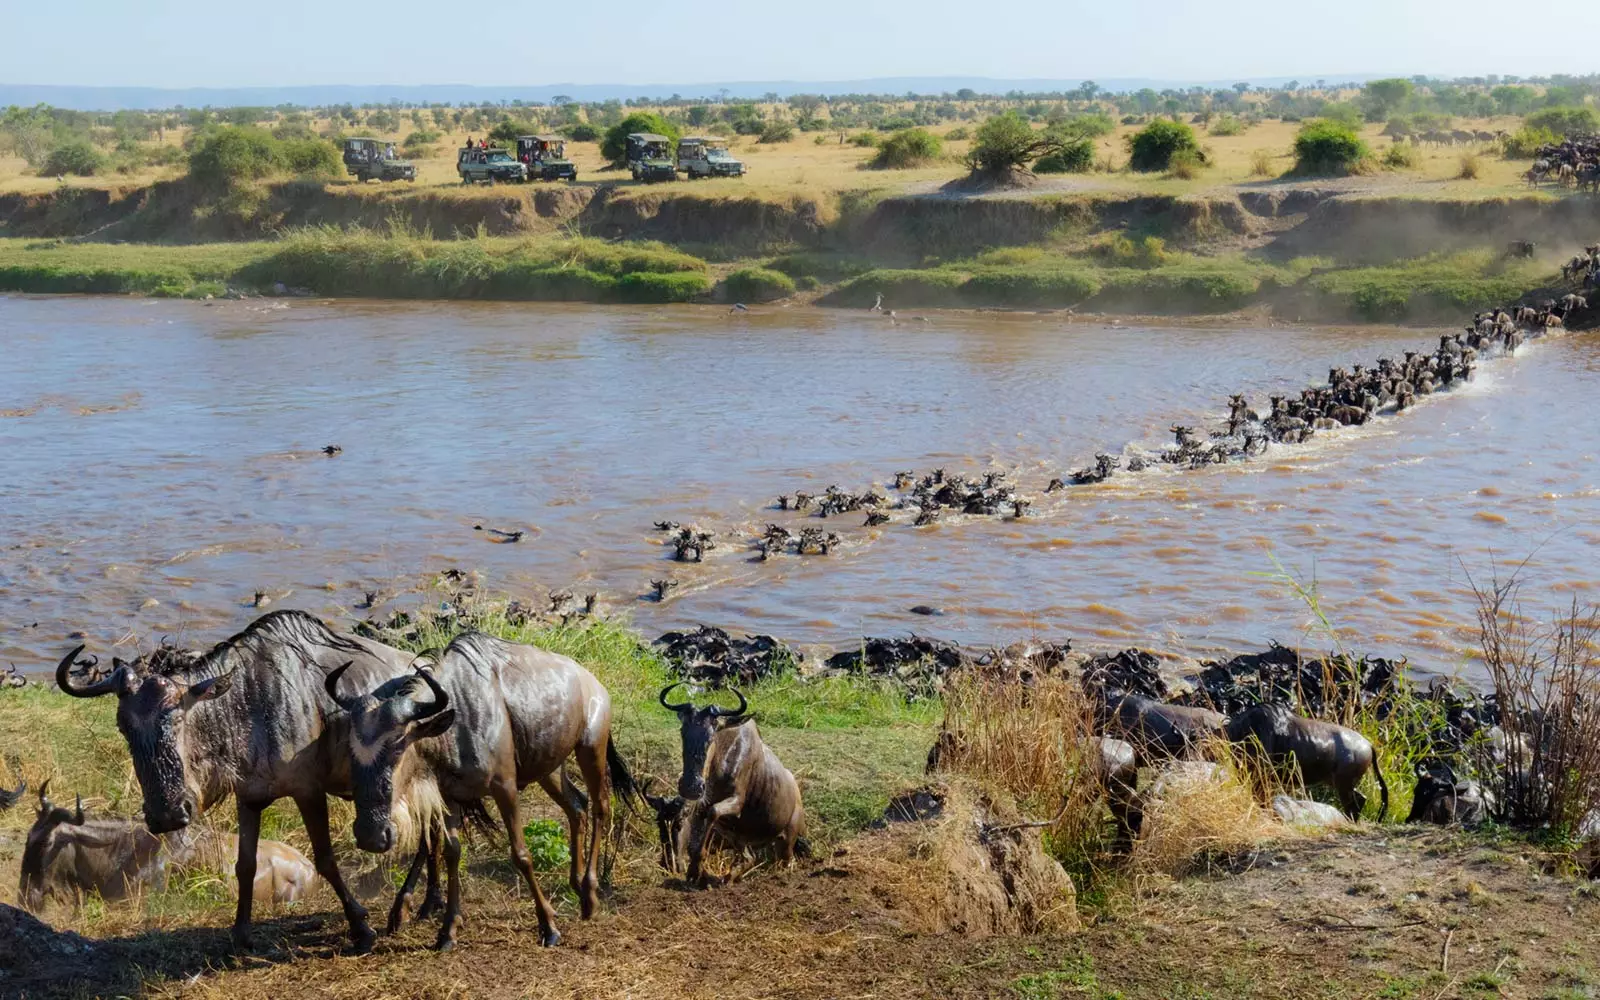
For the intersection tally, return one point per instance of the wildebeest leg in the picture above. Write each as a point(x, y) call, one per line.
point(597, 779)
point(1351, 801)
point(556, 788)
point(399, 912)
point(314, 813)
point(433, 899)
point(452, 861)
point(505, 796)
point(704, 819)
point(244, 869)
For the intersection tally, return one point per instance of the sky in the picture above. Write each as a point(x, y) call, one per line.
point(218, 43)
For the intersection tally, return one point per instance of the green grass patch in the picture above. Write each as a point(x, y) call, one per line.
point(757, 284)
point(1438, 286)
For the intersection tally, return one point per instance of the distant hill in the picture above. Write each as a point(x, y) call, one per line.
point(120, 98)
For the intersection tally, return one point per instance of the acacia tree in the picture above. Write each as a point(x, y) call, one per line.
point(1006, 144)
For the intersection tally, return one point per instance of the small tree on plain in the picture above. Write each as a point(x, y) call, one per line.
point(1006, 144)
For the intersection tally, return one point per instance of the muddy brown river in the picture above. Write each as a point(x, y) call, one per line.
point(161, 464)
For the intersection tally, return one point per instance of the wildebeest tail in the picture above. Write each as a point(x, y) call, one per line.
point(1383, 789)
point(621, 780)
point(477, 814)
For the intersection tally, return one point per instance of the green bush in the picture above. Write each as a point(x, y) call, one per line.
point(757, 284)
point(506, 132)
point(615, 145)
point(912, 147)
point(866, 140)
point(76, 157)
point(1152, 147)
point(1120, 251)
point(581, 132)
point(231, 154)
point(547, 843)
point(1564, 121)
point(420, 141)
point(958, 134)
point(1074, 158)
point(1524, 143)
point(1323, 147)
point(1004, 142)
point(1402, 156)
point(1227, 125)
point(311, 158)
point(776, 132)
point(1185, 165)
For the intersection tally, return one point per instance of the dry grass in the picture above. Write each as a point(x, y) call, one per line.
point(1199, 810)
point(1471, 167)
point(1037, 743)
point(1261, 163)
point(1546, 678)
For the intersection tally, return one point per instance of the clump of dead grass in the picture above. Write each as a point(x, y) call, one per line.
point(1197, 811)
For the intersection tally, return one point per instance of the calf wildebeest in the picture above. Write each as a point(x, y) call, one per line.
point(734, 784)
point(70, 855)
point(506, 716)
point(1325, 752)
point(249, 718)
point(9, 799)
point(1440, 798)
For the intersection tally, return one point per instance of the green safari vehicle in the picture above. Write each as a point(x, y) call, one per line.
point(366, 158)
point(650, 157)
point(545, 156)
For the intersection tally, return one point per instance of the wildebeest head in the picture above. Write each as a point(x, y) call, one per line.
point(383, 726)
point(696, 727)
point(36, 855)
point(150, 712)
point(1266, 721)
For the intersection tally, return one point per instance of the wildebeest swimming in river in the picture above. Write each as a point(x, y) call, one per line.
point(490, 718)
point(251, 719)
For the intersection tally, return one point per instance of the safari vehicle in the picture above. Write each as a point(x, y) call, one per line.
point(704, 156)
point(367, 158)
point(488, 166)
point(545, 156)
point(650, 157)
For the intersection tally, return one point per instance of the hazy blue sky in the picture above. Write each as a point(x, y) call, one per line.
point(179, 43)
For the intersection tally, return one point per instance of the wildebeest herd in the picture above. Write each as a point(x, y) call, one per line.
point(1572, 162)
point(289, 708)
point(1351, 396)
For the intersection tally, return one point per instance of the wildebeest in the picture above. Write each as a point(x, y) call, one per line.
point(1440, 798)
point(735, 785)
point(249, 718)
point(1326, 753)
point(506, 716)
point(9, 799)
point(1157, 730)
point(68, 854)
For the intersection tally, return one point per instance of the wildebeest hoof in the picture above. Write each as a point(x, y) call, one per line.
point(550, 938)
point(362, 940)
point(241, 939)
point(444, 943)
point(926, 609)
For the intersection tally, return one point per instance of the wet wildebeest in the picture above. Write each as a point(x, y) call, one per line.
point(735, 785)
point(1326, 753)
point(1157, 730)
point(249, 718)
point(9, 799)
point(1120, 771)
point(69, 855)
point(669, 823)
point(1442, 799)
point(506, 716)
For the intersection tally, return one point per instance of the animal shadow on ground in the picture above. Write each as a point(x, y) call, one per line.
point(41, 962)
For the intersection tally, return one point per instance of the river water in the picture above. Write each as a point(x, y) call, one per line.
point(161, 464)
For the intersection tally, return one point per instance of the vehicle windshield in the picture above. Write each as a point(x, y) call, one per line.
point(717, 153)
point(500, 156)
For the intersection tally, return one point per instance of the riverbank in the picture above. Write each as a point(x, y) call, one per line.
point(1296, 251)
point(879, 907)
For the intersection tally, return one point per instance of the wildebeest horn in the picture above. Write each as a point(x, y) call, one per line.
point(44, 795)
point(724, 713)
point(331, 683)
point(64, 678)
point(668, 705)
point(441, 698)
point(78, 819)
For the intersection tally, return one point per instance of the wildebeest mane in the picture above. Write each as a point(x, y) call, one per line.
point(482, 651)
point(295, 631)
